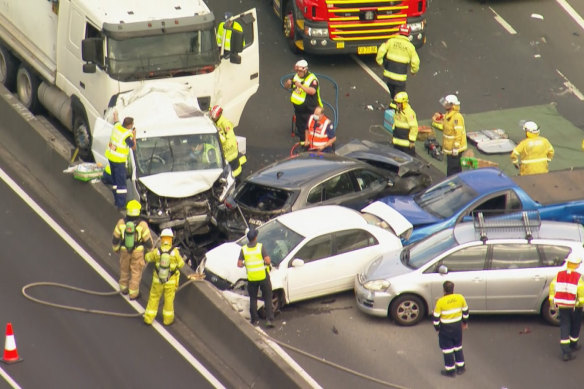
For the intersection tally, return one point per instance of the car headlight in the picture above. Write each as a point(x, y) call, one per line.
point(316, 32)
point(416, 26)
point(376, 285)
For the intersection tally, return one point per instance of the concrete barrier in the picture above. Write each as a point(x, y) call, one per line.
point(35, 153)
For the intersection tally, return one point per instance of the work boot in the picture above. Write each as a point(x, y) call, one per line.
point(135, 297)
point(460, 370)
point(567, 357)
point(269, 324)
point(124, 291)
point(575, 346)
point(448, 373)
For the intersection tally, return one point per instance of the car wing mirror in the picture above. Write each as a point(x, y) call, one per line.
point(442, 269)
point(297, 262)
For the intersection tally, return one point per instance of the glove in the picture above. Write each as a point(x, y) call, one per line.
point(455, 152)
point(412, 145)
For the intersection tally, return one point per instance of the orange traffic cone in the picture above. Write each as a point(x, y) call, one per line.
point(10, 352)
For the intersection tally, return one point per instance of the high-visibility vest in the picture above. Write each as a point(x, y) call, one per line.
point(228, 31)
point(298, 96)
point(451, 308)
point(405, 126)
point(118, 149)
point(254, 262)
point(566, 288)
point(317, 136)
point(227, 138)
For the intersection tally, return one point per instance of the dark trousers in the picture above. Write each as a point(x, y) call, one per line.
point(395, 87)
point(570, 322)
point(453, 164)
point(302, 116)
point(408, 150)
point(252, 289)
point(119, 183)
point(450, 342)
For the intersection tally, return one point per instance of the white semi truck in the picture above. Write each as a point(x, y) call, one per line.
point(74, 57)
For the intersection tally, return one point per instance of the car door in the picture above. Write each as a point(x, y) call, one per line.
point(466, 269)
point(494, 205)
point(517, 277)
point(337, 190)
point(369, 184)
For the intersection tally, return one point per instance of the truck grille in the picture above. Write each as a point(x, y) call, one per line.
point(356, 20)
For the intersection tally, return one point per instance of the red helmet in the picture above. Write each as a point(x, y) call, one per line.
point(404, 30)
point(216, 112)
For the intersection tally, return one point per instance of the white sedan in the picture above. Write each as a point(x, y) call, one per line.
point(314, 251)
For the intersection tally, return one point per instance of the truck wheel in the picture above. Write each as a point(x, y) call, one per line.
point(288, 26)
point(82, 135)
point(407, 310)
point(27, 85)
point(8, 69)
point(550, 313)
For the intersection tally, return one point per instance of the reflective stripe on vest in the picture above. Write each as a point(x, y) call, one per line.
point(298, 94)
point(317, 137)
point(118, 149)
point(254, 262)
point(566, 288)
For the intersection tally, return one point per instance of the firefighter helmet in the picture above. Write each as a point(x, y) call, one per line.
point(531, 127)
point(216, 112)
point(404, 29)
point(167, 232)
point(133, 208)
point(401, 97)
point(302, 64)
point(572, 258)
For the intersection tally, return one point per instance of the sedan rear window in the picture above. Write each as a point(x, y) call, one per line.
point(263, 198)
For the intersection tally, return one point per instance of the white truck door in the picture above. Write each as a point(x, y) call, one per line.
point(101, 136)
point(238, 82)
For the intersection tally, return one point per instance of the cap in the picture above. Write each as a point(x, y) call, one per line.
point(252, 234)
point(228, 15)
point(301, 64)
point(574, 259)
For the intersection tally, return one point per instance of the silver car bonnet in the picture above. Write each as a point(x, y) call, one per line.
point(181, 184)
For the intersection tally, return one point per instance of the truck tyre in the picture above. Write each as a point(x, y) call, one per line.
point(288, 28)
point(81, 134)
point(550, 313)
point(407, 310)
point(27, 85)
point(8, 69)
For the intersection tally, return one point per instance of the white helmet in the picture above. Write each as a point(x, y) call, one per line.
point(301, 64)
point(573, 258)
point(531, 127)
point(452, 99)
point(166, 232)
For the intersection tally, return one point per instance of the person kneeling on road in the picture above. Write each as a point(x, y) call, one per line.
point(165, 278)
point(320, 134)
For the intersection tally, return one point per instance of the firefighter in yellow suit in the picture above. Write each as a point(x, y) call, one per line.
point(131, 238)
point(167, 262)
point(533, 154)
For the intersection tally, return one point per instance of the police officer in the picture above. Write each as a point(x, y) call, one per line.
point(121, 140)
point(228, 140)
point(305, 96)
point(130, 238)
point(450, 318)
point(567, 293)
point(395, 55)
point(167, 262)
point(257, 264)
point(454, 133)
point(533, 154)
point(226, 27)
point(405, 125)
point(320, 134)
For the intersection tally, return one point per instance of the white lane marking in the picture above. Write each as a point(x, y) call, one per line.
point(113, 283)
point(371, 73)
point(568, 8)
point(503, 23)
point(13, 384)
point(571, 88)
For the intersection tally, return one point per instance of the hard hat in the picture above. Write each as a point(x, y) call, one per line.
point(252, 234)
point(301, 64)
point(574, 259)
point(133, 208)
point(404, 29)
point(452, 99)
point(228, 15)
point(216, 112)
point(531, 127)
point(401, 97)
point(167, 232)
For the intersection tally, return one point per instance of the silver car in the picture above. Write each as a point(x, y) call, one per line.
point(498, 270)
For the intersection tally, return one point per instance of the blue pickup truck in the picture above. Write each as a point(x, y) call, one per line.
point(556, 195)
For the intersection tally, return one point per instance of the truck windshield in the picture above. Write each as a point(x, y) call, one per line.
point(445, 198)
point(179, 153)
point(162, 56)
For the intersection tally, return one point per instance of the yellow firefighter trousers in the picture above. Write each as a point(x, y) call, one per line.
point(169, 288)
point(131, 267)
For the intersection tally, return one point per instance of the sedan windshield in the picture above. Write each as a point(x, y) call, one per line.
point(162, 56)
point(445, 198)
point(418, 254)
point(277, 239)
point(178, 153)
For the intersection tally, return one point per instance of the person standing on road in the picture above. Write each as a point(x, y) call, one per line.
point(567, 293)
point(450, 318)
point(405, 125)
point(395, 55)
point(228, 141)
point(257, 264)
point(320, 134)
point(167, 262)
point(533, 154)
point(454, 133)
point(131, 237)
point(305, 96)
point(121, 140)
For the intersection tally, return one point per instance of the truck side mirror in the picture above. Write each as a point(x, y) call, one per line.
point(92, 50)
point(89, 68)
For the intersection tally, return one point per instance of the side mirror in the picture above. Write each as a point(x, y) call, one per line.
point(236, 42)
point(297, 262)
point(442, 269)
point(92, 50)
point(89, 68)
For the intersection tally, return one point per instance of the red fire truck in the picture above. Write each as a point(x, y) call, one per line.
point(348, 26)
